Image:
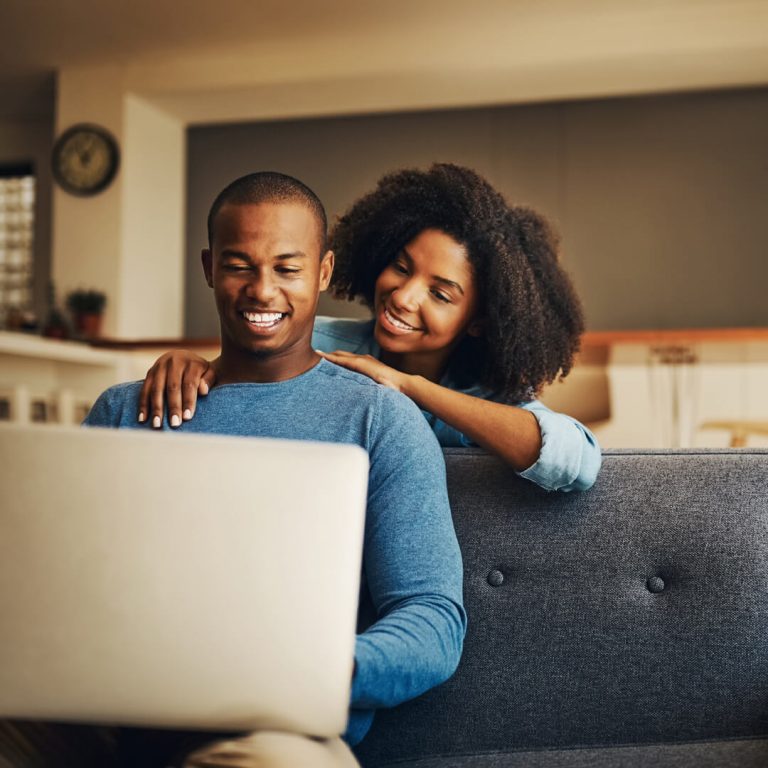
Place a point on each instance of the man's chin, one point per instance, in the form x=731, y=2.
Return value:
x=253, y=346
x=259, y=353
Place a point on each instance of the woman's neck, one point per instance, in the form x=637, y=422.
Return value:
x=430, y=365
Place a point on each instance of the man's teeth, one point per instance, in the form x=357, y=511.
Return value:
x=397, y=323
x=263, y=318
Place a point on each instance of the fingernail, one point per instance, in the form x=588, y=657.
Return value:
x=204, y=388
x=187, y=414
x=175, y=420
x=156, y=422
x=142, y=417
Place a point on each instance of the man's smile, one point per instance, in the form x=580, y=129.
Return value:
x=263, y=321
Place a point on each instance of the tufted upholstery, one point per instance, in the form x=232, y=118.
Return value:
x=625, y=626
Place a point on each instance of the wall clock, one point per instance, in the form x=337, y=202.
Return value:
x=85, y=159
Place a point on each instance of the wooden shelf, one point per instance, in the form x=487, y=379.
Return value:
x=28, y=345
x=673, y=336
x=589, y=339
x=128, y=344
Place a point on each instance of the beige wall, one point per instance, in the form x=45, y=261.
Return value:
x=127, y=240
x=660, y=200
x=153, y=223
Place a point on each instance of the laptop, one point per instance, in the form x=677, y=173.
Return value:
x=182, y=581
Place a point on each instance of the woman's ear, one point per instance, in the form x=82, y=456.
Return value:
x=476, y=327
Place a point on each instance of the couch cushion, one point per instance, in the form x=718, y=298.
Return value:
x=718, y=754
x=636, y=612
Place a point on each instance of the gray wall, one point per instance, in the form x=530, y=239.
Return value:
x=661, y=201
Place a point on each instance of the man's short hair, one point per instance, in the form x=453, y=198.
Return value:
x=269, y=187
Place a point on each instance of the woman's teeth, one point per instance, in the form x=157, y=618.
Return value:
x=397, y=323
x=263, y=319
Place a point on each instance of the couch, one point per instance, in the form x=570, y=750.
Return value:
x=625, y=626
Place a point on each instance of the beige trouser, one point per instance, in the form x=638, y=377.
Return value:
x=270, y=749
x=44, y=745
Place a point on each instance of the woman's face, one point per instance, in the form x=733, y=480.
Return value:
x=425, y=301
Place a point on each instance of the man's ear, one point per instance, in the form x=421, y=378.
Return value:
x=476, y=327
x=326, y=269
x=207, y=260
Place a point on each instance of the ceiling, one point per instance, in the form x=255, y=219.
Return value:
x=459, y=52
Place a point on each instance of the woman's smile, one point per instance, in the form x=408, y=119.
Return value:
x=391, y=323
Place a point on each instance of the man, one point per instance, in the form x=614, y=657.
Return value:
x=266, y=263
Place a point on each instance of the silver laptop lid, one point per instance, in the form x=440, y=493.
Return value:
x=178, y=580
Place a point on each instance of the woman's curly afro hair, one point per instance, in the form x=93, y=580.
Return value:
x=532, y=318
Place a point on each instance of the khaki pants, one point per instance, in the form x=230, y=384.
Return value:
x=47, y=745
x=270, y=749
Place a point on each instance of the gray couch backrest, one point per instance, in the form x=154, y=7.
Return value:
x=636, y=612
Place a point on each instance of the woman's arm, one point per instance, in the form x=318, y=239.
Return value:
x=509, y=432
x=174, y=382
x=548, y=448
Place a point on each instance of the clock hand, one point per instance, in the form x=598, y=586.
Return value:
x=86, y=151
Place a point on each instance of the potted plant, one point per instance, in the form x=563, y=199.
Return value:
x=87, y=308
x=56, y=325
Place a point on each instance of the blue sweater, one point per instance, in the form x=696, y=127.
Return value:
x=570, y=456
x=411, y=609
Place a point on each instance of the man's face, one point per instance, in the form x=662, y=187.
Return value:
x=266, y=272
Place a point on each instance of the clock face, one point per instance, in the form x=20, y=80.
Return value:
x=85, y=159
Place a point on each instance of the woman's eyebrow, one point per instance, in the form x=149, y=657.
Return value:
x=449, y=283
x=443, y=280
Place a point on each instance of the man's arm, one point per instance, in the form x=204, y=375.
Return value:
x=412, y=564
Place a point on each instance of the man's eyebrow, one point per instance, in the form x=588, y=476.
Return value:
x=443, y=280
x=230, y=253
x=291, y=255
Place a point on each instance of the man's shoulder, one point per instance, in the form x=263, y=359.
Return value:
x=127, y=391
x=344, y=380
x=351, y=335
x=113, y=403
x=396, y=413
x=350, y=383
x=125, y=388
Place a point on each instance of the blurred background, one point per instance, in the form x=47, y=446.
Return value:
x=639, y=129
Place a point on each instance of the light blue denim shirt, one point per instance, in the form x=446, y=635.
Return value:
x=570, y=455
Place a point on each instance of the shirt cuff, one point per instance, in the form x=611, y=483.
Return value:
x=562, y=446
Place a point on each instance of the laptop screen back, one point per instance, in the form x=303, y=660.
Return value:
x=178, y=580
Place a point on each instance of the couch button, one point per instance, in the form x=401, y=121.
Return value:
x=655, y=584
x=495, y=578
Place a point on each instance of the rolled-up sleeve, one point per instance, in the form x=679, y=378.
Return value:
x=570, y=456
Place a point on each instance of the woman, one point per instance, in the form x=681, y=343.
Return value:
x=473, y=315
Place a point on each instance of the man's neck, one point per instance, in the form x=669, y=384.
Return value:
x=238, y=366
